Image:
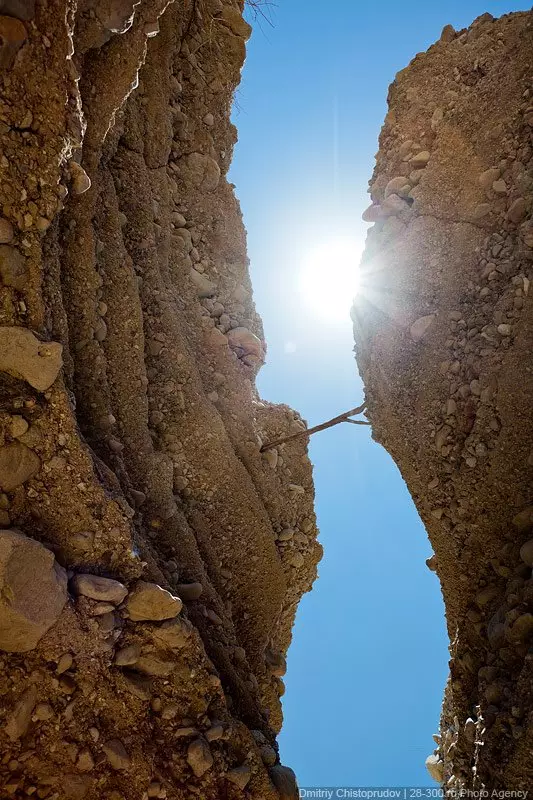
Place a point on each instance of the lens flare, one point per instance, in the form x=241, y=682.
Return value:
x=328, y=278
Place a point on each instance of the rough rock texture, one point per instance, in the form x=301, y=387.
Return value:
x=130, y=427
x=444, y=334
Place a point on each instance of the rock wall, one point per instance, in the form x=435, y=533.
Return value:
x=444, y=335
x=151, y=558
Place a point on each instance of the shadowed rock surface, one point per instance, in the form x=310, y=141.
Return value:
x=130, y=426
x=444, y=335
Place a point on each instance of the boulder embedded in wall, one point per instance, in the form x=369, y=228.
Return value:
x=17, y=465
x=23, y=356
x=148, y=601
x=284, y=780
x=201, y=171
x=33, y=591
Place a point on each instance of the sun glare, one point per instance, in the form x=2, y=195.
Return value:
x=329, y=278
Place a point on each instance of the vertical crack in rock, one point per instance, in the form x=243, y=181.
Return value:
x=130, y=425
x=444, y=334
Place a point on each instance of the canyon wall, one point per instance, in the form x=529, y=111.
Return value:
x=151, y=557
x=444, y=336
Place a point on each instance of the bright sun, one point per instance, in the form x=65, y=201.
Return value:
x=328, y=277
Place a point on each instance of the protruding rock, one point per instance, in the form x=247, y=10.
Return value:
x=420, y=160
x=232, y=17
x=19, y=720
x=13, y=265
x=117, y=754
x=174, y=633
x=448, y=34
x=24, y=356
x=17, y=465
x=33, y=591
x=284, y=780
x=526, y=553
x=523, y=521
x=12, y=37
x=435, y=767
x=201, y=171
x=20, y=9
x=80, y=180
x=245, y=343
x=240, y=776
x=517, y=211
x=204, y=287
x=421, y=326
x=199, y=757
x=6, y=233
x=190, y=591
x=148, y=601
x=127, y=656
x=97, y=588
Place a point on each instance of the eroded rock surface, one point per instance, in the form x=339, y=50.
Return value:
x=130, y=426
x=444, y=335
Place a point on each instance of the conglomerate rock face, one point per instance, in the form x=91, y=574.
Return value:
x=444, y=334
x=151, y=558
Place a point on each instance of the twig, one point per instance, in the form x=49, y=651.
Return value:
x=323, y=426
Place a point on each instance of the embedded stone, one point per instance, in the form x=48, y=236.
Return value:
x=19, y=719
x=12, y=37
x=20, y=9
x=174, y=633
x=233, y=18
x=33, y=591
x=199, y=757
x=204, y=287
x=190, y=591
x=13, y=265
x=240, y=776
x=148, y=601
x=284, y=781
x=201, y=171
x=420, y=160
x=116, y=754
x=17, y=465
x=421, y=326
x=526, y=553
x=97, y=588
x=244, y=342
x=80, y=180
x=523, y=521
x=435, y=767
x=517, y=211
x=23, y=356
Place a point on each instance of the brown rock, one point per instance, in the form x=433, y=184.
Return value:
x=6, y=236
x=189, y=591
x=240, y=776
x=128, y=655
x=232, y=17
x=20, y=9
x=33, y=591
x=19, y=719
x=526, y=553
x=17, y=465
x=284, y=780
x=13, y=265
x=517, y=211
x=12, y=37
x=199, y=757
x=421, y=326
x=80, y=180
x=201, y=171
x=174, y=633
x=148, y=601
x=98, y=588
x=117, y=754
x=24, y=356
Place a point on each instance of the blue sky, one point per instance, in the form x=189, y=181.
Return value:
x=368, y=663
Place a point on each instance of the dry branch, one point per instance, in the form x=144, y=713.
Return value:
x=329, y=424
